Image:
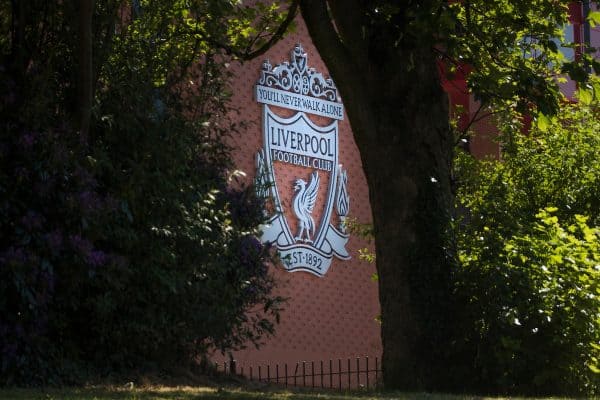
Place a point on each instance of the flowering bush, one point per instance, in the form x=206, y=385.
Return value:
x=124, y=249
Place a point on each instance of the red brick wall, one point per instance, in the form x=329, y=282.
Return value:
x=325, y=317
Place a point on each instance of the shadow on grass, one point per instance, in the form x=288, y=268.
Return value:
x=212, y=393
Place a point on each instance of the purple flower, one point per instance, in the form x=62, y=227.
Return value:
x=250, y=291
x=250, y=248
x=85, y=178
x=32, y=220
x=13, y=255
x=96, y=258
x=21, y=173
x=92, y=256
x=89, y=200
x=54, y=240
x=81, y=245
x=27, y=139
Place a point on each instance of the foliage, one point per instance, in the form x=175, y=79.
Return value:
x=364, y=231
x=133, y=247
x=385, y=57
x=528, y=242
x=515, y=65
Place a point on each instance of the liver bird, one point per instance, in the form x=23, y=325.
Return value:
x=304, y=203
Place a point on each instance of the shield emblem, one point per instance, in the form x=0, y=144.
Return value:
x=297, y=169
x=302, y=160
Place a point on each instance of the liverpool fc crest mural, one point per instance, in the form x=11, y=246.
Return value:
x=298, y=172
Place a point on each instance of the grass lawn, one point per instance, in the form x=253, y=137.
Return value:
x=210, y=393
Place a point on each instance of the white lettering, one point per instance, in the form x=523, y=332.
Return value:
x=317, y=106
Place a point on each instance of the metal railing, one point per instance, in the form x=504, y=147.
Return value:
x=349, y=374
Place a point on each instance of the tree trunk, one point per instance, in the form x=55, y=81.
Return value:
x=399, y=117
x=407, y=163
x=85, y=72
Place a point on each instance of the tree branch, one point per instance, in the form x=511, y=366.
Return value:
x=338, y=55
x=347, y=15
x=247, y=54
x=292, y=10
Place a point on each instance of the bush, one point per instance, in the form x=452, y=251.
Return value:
x=131, y=248
x=529, y=259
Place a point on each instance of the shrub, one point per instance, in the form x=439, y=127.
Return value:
x=529, y=259
x=130, y=248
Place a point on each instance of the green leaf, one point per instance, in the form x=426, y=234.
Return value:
x=585, y=96
x=594, y=18
x=543, y=122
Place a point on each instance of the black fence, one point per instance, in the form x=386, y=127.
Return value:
x=348, y=374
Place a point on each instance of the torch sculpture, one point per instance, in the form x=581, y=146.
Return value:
x=343, y=200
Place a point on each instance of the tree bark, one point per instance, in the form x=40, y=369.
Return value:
x=409, y=181
x=399, y=116
x=85, y=71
